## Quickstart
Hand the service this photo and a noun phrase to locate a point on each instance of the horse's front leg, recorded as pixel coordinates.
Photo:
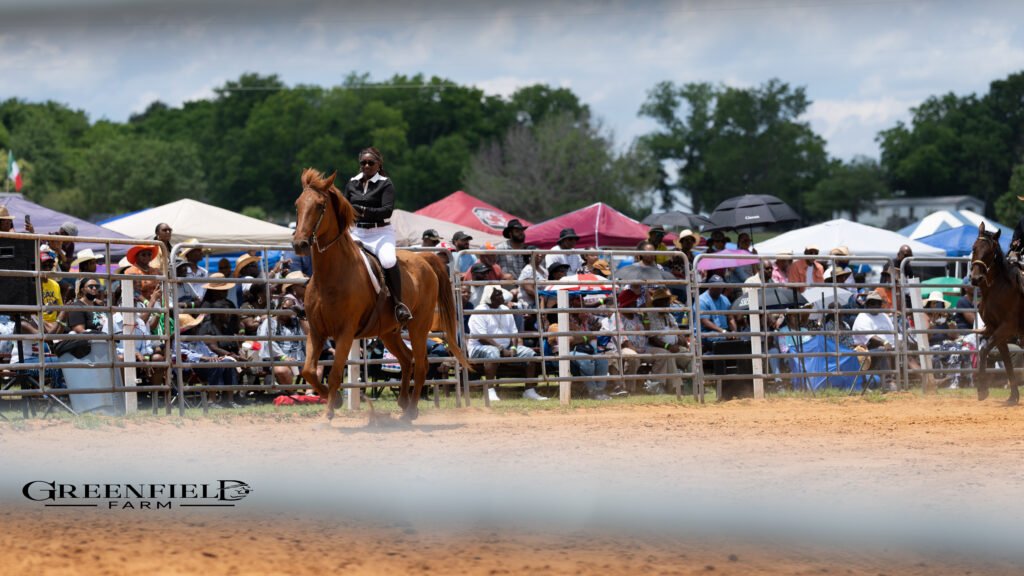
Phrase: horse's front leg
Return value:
(1004, 353)
(341, 345)
(981, 381)
(314, 344)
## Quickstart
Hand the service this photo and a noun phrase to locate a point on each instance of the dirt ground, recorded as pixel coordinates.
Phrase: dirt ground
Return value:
(901, 486)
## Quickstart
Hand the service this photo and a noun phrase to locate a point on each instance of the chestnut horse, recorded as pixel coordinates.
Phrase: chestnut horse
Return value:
(340, 294)
(1000, 306)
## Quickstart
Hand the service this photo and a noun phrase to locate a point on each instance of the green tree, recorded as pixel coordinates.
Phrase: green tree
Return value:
(724, 142)
(559, 165)
(850, 186)
(1009, 207)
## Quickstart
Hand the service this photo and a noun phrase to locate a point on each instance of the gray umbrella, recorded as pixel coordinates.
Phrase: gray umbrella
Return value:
(677, 219)
(774, 298)
(642, 272)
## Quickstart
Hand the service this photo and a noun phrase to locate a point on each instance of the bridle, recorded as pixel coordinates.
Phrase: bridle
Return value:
(313, 241)
(975, 262)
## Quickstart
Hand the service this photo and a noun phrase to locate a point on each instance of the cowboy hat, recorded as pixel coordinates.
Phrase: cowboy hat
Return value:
(839, 251)
(84, 256)
(833, 273)
(567, 233)
(296, 275)
(133, 252)
(217, 285)
(188, 322)
(185, 251)
(874, 295)
(784, 255)
(687, 233)
(244, 261)
(5, 214)
(936, 296)
(512, 224)
(661, 293)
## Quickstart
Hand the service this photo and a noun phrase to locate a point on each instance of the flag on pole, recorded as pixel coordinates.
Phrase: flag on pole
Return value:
(13, 173)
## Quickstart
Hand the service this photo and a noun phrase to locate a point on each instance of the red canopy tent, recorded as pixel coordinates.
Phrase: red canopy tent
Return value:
(598, 225)
(469, 211)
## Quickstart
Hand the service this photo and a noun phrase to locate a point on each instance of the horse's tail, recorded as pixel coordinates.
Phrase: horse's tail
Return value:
(446, 307)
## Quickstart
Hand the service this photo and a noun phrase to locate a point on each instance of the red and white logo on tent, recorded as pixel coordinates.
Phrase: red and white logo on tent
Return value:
(490, 218)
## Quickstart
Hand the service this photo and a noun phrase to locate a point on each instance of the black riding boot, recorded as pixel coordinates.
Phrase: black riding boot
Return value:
(394, 279)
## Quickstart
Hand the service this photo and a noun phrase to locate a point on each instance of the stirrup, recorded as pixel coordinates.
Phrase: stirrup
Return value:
(402, 313)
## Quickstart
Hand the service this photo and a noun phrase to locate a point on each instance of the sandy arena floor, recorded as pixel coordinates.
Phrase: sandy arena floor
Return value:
(906, 485)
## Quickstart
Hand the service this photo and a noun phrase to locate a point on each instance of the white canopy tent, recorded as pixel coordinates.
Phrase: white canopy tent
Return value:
(861, 239)
(409, 229)
(192, 219)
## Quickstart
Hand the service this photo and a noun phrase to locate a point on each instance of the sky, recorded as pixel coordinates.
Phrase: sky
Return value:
(864, 63)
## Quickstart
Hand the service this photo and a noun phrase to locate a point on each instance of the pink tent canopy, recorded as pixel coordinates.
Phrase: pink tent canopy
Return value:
(469, 211)
(598, 225)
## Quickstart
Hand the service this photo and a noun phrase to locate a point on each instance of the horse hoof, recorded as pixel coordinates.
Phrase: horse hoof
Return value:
(982, 393)
(1011, 401)
(409, 415)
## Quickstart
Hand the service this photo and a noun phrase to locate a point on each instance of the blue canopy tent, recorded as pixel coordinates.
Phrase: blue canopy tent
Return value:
(848, 362)
(958, 241)
(47, 221)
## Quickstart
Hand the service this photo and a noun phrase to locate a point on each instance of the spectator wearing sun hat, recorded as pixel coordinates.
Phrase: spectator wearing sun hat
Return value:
(685, 242)
(140, 257)
(515, 239)
(567, 239)
(247, 266)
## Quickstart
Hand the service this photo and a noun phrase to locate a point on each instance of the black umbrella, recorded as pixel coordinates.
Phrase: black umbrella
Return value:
(747, 211)
(677, 219)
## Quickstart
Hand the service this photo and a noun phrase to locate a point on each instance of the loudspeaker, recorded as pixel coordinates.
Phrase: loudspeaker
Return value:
(733, 388)
(17, 254)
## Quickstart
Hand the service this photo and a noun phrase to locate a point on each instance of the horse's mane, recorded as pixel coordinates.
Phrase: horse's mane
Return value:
(315, 179)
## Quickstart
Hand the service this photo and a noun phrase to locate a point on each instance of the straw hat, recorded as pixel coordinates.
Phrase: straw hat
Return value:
(936, 296)
(217, 285)
(687, 233)
(603, 267)
(244, 261)
(662, 293)
(186, 251)
(133, 252)
(5, 214)
(784, 255)
(874, 295)
(188, 322)
(839, 251)
(833, 273)
(85, 256)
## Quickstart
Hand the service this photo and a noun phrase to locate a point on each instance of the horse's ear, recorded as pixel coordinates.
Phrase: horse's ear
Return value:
(330, 179)
(981, 228)
(996, 235)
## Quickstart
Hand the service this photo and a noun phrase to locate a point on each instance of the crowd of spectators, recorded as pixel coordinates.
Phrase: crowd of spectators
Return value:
(641, 325)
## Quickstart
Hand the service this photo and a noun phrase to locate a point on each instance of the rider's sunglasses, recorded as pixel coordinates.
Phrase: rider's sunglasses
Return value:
(367, 162)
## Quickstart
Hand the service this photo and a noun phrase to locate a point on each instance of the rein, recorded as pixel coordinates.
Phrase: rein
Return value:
(313, 238)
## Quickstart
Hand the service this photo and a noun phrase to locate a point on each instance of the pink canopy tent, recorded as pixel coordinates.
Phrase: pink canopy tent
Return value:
(469, 211)
(598, 225)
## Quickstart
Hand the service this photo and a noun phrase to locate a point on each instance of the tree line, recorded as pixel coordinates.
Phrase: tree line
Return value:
(537, 153)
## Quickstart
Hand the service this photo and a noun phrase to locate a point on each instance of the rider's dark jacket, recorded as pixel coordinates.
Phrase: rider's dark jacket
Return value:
(1017, 242)
(377, 201)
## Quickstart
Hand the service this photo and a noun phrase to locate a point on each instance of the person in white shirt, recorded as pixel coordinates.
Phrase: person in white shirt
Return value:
(566, 241)
(874, 331)
(491, 338)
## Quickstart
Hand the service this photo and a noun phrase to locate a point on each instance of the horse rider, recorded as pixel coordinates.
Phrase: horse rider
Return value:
(372, 195)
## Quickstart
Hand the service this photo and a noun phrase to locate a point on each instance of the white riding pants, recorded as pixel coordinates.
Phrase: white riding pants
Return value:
(380, 241)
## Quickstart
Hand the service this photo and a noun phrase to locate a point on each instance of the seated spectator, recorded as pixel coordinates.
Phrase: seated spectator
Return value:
(7, 220)
(805, 270)
(531, 274)
(601, 268)
(215, 291)
(86, 261)
(222, 324)
(838, 276)
(248, 267)
(965, 320)
(586, 360)
(486, 268)
(686, 241)
(140, 257)
(481, 272)
(490, 339)
(290, 324)
(843, 262)
(224, 267)
(783, 261)
(669, 339)
(656, 236)
(626, 346)
(713, 300)
(567, 239)
(937, 319)
(874, 330)
(65, 249)
(744, 242)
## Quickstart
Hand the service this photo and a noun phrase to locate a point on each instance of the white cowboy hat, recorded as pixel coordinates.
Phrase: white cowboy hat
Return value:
(85, 256)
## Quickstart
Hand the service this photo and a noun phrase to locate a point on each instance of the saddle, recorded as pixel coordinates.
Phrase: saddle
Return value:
(369, 324)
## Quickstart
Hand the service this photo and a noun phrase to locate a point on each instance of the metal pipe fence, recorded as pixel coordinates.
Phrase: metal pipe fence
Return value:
(608, 329)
